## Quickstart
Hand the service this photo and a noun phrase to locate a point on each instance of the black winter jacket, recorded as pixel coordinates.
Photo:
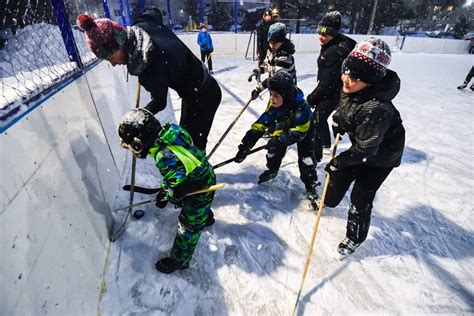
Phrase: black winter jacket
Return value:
(161, 60)
(262, 36)
(374, 125)
(329, 69)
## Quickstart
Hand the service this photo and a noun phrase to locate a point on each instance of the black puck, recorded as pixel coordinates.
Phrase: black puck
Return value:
(138, 214)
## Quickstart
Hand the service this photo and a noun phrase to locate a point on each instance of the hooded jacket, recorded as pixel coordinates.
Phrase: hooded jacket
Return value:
(183, 166)
(374, 125)
(329, 69)
(281, 60)
(292, 122)
(161, 61)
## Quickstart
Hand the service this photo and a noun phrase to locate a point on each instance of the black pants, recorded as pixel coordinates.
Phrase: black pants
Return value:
(197, 112)
(322, 135)
(469, 75)
(306, 161)
(207, 54)
(367, 180)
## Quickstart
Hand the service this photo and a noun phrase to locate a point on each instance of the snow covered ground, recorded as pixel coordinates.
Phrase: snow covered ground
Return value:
(418, 258)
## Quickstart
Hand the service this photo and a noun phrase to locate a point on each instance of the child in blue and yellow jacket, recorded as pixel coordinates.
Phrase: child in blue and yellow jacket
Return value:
(184, 168)
(292, 115)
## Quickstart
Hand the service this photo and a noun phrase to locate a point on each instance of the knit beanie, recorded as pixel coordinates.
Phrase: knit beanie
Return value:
(330, 24)
(368, 61)
(277, 32)
(104, 37)
(267, 12)
(282, 83)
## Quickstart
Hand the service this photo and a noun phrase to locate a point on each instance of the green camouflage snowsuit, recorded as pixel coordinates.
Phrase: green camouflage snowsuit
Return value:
(184, 169)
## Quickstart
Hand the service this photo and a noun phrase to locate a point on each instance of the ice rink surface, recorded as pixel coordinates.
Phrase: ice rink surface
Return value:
(418, 258)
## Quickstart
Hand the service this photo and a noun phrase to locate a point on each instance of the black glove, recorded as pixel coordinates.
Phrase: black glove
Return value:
(274, 143)
(332, 167)
(336, 129)
(242, 153)
(161, 200)
(255, 94)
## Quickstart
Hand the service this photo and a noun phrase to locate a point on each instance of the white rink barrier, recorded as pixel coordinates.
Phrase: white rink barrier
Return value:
(61, 167)
(229, 43)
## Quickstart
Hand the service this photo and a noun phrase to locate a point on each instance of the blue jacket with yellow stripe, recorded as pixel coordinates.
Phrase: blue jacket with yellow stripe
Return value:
(292, 122)
(183, 166)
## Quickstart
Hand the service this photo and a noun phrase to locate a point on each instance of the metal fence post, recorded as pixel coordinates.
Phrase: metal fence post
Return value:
(106, 9)
(59, 10)
(122, 15)
(236, 15)
(201, 11)
(168, 9)
(127, 4)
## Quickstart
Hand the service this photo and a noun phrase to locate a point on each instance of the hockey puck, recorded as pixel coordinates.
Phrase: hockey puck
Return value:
(138, 214)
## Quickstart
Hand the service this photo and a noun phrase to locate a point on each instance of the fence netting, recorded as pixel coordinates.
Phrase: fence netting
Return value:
(33, 55)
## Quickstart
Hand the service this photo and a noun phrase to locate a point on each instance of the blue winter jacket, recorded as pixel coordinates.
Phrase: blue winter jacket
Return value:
(292, 122)
(205, 41)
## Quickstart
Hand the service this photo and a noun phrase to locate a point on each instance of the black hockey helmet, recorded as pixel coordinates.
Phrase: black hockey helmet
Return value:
(138, 130)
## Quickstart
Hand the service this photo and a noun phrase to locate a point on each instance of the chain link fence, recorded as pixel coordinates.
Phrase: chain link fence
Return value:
(34, 57)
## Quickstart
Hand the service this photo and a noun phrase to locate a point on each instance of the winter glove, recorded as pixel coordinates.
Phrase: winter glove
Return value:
(161, 200)
(242, 153)
(274, 143)
(336, 129)
(256, 93)
(211, 51)
(332, 167)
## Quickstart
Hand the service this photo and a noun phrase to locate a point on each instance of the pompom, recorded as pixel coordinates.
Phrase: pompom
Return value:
(85, 22)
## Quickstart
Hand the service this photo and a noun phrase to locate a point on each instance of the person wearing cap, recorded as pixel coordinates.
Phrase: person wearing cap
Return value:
(291, 114)
(262, 34)
(366, 113)
(161, 60)
(325, 97)
(279, 57)
(204, 41)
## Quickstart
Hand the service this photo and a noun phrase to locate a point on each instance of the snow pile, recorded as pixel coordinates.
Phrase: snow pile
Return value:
(418, 258)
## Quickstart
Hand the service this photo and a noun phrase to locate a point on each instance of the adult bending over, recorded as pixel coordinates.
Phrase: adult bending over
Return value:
(161, 60)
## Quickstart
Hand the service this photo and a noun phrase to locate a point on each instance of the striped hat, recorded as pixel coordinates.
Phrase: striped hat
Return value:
(368, 61)
(103, 36)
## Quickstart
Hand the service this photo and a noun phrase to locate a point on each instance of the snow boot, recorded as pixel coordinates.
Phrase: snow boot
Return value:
(312, 192)
(347, 247)
(210, 219)
(168, 265)
(472, 87)
(267, 175)
(464, 85)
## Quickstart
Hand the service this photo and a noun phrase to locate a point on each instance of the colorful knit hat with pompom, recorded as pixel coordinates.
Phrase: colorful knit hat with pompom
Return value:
(104, 36)
(368, 61)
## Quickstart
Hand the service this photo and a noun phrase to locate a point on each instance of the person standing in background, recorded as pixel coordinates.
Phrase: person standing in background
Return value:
(204, 41)
(262, 35)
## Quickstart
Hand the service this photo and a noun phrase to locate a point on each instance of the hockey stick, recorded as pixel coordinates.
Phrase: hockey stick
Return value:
(316, 225)
(140, 189)
(228, 129)
(233, 159)
(211, 188)
(122, 227)
(144, 190)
